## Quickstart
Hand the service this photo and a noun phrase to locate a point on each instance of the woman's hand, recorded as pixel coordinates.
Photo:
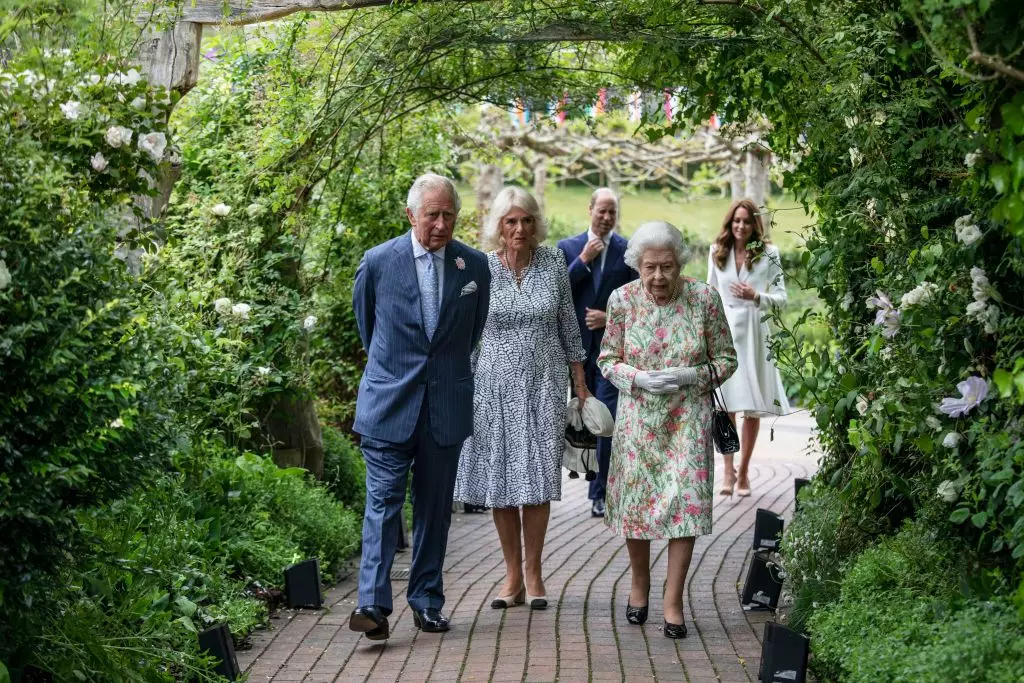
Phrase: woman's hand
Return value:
(741, 290)
(582, 393)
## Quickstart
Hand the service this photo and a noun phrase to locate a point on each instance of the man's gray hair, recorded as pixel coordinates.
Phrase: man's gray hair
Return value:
(505, 201)
(431, 181)
(604, 190)
(656, 235)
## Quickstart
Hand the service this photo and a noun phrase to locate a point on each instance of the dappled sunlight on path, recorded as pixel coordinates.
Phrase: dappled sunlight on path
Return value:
(584, 634)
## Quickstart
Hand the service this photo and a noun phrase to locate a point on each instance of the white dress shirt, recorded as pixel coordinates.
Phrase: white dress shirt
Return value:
(418, 250)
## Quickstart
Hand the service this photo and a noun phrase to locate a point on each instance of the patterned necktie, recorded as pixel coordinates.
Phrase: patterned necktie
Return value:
(429, 297)
(597, 270)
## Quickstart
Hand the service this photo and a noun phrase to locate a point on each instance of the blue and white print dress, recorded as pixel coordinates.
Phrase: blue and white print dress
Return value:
(514, 456)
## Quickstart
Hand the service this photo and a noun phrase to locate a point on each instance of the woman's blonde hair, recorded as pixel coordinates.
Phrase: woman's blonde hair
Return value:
(505, 201)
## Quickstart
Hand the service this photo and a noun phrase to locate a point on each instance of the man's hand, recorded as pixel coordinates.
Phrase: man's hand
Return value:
(592, 250)
(595, 319)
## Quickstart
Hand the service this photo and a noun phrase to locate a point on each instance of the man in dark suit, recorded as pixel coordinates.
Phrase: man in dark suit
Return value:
(420, 302)
(596, 269)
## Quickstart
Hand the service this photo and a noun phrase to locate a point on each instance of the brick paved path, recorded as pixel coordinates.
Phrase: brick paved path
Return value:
(584, 635)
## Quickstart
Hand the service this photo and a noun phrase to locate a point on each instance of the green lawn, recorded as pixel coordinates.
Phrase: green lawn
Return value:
(567, 209)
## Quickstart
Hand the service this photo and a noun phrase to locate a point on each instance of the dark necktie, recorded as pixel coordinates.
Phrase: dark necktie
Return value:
(596, 268)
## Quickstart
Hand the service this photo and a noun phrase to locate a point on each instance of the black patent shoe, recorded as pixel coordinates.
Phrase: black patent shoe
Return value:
(636, 615)
(371, 622)
(597, 508)
(675, 631)
(430, 620)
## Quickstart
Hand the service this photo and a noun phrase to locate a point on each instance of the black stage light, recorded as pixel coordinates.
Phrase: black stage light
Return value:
(767, 530)
(302, 584)
(763, 585)
(216, 641)
(783, 655)
(798, 484)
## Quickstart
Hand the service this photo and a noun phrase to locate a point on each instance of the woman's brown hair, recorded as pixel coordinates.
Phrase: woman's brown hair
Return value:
(724, 241)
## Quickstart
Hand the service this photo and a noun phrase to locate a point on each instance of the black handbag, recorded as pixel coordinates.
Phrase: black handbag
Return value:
(723, 431)
(586, 442)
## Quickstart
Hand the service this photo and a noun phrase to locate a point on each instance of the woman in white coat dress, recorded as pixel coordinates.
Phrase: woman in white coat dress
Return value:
(747, 272)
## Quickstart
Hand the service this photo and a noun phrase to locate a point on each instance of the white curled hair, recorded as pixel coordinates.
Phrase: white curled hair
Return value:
(431, 181)
(505, 201)
(656, 235)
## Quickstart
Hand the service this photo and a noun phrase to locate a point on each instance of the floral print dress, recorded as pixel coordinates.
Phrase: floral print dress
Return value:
(660, 480)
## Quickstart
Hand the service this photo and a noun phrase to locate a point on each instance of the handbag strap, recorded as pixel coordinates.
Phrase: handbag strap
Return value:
(716, 401)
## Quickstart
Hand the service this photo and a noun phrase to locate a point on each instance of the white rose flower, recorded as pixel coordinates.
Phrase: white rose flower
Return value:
(862, 405)
(118, 136)
(71, 110)
(222, 305)
(871, 205)
(976, 308)
(241, 310)
(254, 210)
(968, 233)
(309, 323)
(947, 492)
(5, 275)
(851, 121)
(991, 320)
(952, 440)
(220, 210)
(117, 424)
(98, 162)
(972, 158)
(153, 144)
(933, 422)
(920, 294)
(879, 118)
(263, 370)
(855, 156)
(139, 103)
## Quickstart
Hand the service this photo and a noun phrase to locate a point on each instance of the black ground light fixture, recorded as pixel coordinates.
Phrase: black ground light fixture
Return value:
(763, 585)
(767, 530)
(783, 655)
(798, 484)
(216, 642)
(302, 584)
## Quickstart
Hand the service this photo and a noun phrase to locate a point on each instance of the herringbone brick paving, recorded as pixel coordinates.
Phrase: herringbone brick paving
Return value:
(584, 636)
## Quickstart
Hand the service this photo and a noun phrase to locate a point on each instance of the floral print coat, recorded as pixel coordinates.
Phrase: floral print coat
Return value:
(660, 480)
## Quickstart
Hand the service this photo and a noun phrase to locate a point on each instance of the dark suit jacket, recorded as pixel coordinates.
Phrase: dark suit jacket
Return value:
(615, 274)
(403, 365)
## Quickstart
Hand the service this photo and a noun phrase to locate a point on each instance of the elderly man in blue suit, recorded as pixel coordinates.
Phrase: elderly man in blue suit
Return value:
(596, 269)
(420, 302)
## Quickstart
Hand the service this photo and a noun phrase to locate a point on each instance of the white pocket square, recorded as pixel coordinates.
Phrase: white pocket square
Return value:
(468, 289)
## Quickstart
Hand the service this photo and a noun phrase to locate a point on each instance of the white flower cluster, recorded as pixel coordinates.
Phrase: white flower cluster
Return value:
(871, 205)
(919, 295)
(223, 306)
(952, 440)
(220, 210)
(855, 156)
(947, 492)
(5, 275)
(851, 121)
(983, 312)
(972, 158)
(879, 118)
(119, 136)
(966, 230)
(309, 323)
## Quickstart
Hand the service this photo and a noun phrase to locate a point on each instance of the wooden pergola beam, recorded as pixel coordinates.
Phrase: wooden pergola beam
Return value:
(242, 12)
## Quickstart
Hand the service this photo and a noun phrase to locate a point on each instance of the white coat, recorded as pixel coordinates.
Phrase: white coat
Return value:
(756, 388)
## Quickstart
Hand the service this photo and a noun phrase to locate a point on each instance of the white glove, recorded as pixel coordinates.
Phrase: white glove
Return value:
(684, 376)
(654, 383)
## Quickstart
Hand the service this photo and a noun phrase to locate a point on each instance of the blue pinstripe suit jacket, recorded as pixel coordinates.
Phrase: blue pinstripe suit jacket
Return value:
(403, 365)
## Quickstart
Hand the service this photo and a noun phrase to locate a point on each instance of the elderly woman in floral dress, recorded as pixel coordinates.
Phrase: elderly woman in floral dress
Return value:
(664, 335)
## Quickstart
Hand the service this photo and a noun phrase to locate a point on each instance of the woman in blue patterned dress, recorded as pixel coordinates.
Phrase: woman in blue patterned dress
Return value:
(531, 340)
